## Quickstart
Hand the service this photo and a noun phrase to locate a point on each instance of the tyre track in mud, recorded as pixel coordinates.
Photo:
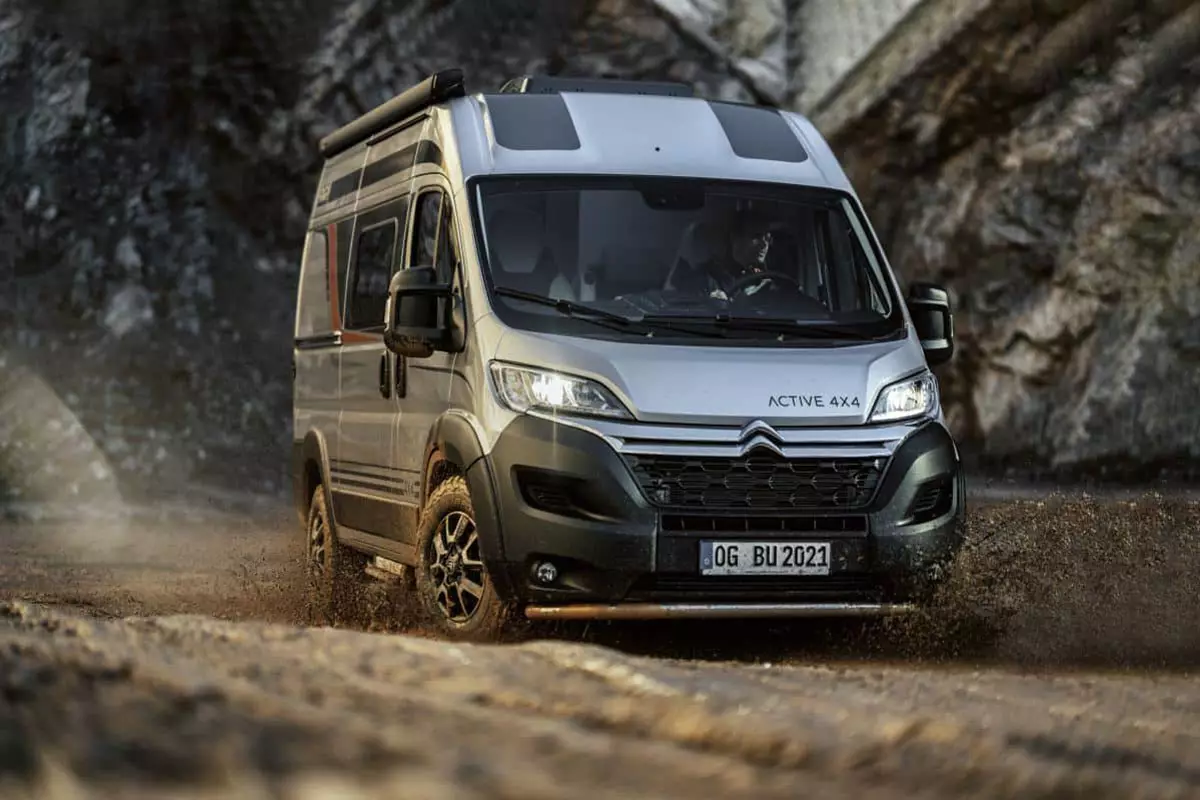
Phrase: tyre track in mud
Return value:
(1056, 664)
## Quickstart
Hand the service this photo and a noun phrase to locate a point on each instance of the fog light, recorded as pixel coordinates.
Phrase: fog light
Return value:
(545, 572)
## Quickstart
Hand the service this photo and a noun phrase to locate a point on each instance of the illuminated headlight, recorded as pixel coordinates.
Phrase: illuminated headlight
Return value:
(525, 389)
(915, 397)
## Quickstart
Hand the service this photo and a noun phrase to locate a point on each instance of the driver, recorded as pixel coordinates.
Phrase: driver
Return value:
(751, 240)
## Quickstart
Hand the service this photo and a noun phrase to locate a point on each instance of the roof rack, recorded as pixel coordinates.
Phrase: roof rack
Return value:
(554, 84)
(437, 88)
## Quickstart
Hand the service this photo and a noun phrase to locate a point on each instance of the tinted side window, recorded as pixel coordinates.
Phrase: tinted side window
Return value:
(374, 254)
(434, 236)
(447, 252)
(425, 230)
(313, 315)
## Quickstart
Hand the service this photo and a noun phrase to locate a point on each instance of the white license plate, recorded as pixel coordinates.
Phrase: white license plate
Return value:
(764, 558)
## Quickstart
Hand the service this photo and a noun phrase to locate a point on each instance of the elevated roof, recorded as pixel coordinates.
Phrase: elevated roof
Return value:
(647, 134)
(546, 126)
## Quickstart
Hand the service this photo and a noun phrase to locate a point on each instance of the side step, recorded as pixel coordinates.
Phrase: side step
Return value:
(646, 611)
(387, 571)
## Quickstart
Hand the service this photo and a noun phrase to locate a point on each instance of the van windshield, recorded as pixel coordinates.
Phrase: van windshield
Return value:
(682, 255)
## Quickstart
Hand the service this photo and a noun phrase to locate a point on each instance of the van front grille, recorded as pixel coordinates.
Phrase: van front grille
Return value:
(775, 525)
(759, 481)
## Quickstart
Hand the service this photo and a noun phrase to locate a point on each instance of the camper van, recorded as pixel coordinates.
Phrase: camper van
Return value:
(584, 349)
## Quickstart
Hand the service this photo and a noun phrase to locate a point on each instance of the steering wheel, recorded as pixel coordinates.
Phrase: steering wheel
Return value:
(746, 281)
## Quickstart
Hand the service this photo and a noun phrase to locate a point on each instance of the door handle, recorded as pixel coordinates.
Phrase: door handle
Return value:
(385, 383)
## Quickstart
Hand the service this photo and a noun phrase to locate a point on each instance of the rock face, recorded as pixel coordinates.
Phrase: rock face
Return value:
(158, 165)
(1050, 167)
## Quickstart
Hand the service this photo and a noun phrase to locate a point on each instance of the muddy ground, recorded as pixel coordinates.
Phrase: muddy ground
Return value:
(167, 654)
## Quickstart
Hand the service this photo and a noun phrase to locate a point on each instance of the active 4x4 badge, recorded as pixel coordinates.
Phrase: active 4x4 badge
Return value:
(813, 401)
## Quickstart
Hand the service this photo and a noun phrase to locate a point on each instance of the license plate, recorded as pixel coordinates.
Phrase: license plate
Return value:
(764, 558)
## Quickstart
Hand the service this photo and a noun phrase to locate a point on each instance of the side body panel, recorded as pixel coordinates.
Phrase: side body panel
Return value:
(368, 196)
(316, 355)
(366, 489)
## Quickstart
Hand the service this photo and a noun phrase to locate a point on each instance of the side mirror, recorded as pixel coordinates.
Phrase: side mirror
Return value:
(929, 307)
(417, 321)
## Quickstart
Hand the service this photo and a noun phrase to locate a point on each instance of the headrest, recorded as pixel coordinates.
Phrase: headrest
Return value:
(515, 238)
(702, 241)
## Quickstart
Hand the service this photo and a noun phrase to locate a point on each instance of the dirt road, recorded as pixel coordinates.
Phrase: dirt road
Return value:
(165, 655)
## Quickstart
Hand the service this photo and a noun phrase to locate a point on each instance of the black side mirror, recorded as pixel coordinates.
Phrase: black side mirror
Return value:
(929, 307)
(416, 318)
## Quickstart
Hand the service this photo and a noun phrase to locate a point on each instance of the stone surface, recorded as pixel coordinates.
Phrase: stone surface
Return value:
(1057, 195)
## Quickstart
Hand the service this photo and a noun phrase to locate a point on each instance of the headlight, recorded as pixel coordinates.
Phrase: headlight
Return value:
(915, 397)
(524, 388)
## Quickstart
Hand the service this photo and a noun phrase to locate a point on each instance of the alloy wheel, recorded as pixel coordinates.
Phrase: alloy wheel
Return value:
(456, 567)
(318, 543)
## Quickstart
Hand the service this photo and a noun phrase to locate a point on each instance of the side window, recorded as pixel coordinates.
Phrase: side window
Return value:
(447, 252)
(434, 235)
(313, 316)
(374, 254)
(425, 230)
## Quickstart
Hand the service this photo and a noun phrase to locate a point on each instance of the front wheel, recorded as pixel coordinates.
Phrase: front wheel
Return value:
(458, 596)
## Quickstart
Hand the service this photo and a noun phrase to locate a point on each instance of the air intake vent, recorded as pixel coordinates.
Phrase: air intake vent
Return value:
(757, 482)
(933, 499)
(553, 84)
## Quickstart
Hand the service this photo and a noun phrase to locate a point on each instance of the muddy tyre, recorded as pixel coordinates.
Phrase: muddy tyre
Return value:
(335, 572)
(457, 596)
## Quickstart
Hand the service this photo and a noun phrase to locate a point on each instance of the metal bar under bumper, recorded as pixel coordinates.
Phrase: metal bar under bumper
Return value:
(716, 610)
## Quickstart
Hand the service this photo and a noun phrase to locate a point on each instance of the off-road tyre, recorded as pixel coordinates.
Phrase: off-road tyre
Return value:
(441, 568)
(335, 572)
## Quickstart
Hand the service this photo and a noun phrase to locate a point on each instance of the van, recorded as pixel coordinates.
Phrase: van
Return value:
(591, 349)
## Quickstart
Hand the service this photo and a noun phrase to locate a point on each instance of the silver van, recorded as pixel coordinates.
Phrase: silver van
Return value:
(591, 349)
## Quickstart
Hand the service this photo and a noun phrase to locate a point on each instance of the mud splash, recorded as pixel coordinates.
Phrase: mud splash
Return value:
(1060, 581)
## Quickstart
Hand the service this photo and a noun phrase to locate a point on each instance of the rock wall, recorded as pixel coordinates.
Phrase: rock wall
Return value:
(1046, 165)
(158, 162)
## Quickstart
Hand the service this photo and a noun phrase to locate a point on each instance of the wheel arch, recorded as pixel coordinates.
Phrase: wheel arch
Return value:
(313, 471)
(453, 448)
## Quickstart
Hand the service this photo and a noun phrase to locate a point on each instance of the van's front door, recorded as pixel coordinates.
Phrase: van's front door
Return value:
(435, 383)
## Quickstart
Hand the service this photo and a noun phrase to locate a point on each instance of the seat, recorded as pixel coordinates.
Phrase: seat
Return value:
(700, 244)
(520, 257)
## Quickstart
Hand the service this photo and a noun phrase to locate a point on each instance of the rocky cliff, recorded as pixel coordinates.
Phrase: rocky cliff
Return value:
(158, 163)
(1046, 166)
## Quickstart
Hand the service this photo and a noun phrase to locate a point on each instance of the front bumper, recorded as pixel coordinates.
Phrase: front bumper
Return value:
(564, 495)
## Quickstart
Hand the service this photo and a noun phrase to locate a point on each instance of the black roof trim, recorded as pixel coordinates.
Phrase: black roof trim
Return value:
(555, 84)
(536, 122)
(759, 132)
(437, 88)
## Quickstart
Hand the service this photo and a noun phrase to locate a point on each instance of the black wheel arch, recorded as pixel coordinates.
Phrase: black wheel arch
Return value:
(453, 441)
(312, 470)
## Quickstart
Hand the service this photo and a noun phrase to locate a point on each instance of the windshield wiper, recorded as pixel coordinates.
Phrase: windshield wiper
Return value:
(598, 316)
(567, 308)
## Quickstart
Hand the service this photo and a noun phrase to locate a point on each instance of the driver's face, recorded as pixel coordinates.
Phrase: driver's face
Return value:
(750, 249)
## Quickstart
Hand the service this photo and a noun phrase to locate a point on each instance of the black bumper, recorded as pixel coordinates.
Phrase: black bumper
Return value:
(557, 493)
